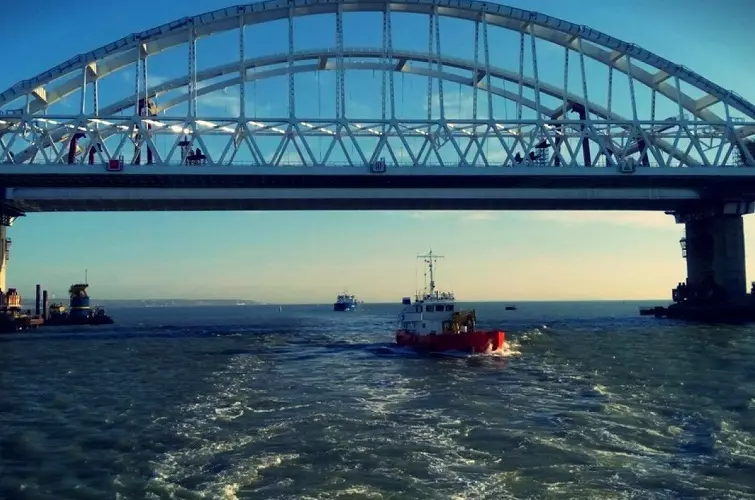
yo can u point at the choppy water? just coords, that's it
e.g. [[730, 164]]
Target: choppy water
[[251, 402]]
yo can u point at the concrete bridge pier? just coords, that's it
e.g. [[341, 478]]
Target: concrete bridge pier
[[715, 252], [716, 286], [4, 250]]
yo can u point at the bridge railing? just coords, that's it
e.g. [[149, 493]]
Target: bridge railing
[[247, 166], [313, 142]]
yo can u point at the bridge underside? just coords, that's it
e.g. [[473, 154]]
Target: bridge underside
[[204, 202], [92, 188]]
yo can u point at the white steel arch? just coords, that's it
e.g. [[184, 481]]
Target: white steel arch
[[265, 67], [708, 140], [604, 48]]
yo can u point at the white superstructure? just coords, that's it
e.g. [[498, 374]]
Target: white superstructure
[[433, 312]]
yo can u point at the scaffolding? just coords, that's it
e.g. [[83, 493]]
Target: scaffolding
[[540, 157], [740, 156]]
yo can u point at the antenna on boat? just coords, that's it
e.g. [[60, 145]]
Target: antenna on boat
[[431, 260], [86, 276], [416, 280]]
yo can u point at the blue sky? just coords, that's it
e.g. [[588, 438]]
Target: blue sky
[[310, 256]]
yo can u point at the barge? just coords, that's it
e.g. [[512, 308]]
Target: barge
[[12, 316], [79, 310]]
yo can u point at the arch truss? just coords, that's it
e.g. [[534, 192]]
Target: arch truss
[[549, 124]]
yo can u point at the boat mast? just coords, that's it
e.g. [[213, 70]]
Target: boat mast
[[430, 260]]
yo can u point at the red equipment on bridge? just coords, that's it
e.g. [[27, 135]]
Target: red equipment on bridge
[[115, 165]]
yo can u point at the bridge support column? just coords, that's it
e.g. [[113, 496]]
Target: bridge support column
[[716, 285], [4, 248], [715, 252]]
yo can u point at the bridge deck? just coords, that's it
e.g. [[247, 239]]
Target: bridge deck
[[65, 175], [34, 188]]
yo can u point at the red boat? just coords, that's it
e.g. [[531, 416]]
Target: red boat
[[433, 323]]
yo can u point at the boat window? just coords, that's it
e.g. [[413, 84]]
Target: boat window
[[449, 308], [418, 309], [439, 308], [429, 308]]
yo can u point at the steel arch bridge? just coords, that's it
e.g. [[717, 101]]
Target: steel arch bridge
[[599, 109], [694, 136]]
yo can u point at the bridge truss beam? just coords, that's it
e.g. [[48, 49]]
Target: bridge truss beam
[[404, 142]]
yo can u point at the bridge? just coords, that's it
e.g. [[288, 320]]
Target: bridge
[[453, 123]]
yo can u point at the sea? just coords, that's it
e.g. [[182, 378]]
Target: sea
[[589, 400]]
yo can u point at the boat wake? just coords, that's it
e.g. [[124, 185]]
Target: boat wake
[[511, 348]]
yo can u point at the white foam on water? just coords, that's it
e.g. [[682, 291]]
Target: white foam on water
[[201, 427]]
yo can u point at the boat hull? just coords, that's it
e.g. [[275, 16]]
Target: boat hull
[[475, 342], [67, 320], [344, 307]]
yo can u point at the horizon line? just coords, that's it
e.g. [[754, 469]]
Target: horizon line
[[263, 302]]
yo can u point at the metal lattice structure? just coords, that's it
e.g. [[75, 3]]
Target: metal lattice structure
[[527, 118]]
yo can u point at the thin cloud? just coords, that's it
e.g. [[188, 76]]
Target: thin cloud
[[152, 80], [454, 106], [478, 215], [226, 99], [651, 220], [359, 109], [427, 214]]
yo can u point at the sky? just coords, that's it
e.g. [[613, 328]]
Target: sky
[[309, 257]]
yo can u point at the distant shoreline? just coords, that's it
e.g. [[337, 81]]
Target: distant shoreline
[[248, 302], [176, 302], [245, 302]]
